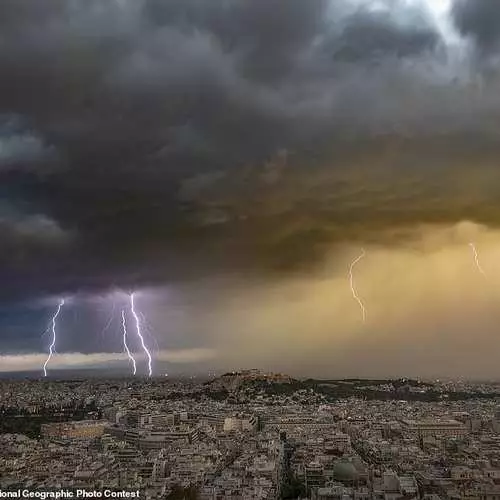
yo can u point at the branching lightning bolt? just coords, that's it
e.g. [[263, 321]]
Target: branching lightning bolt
[[353, 288], [127, 350], [139, 333], [476, 259], [54, 335]]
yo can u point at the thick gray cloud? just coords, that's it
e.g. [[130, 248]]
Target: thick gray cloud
[[478, 19], [28, 242], [21, 148], [123, 106], [265, 37], [368, 36]]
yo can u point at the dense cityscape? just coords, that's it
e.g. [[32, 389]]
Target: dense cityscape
[[253, 435]]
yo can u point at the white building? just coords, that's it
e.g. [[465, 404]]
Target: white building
[[240, 424]]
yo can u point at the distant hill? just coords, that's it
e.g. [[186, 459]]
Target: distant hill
[[232, 381], [235, 385]]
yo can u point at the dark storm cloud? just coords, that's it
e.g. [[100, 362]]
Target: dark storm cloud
[[20, 147], [28, 243], [265, 37], [138, 100], [28, 236], [478, 19], [367, 36]]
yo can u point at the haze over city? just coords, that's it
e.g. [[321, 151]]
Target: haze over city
[[228, 161]]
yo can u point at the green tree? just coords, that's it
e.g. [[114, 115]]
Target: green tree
[[180, 493], [293, 488]]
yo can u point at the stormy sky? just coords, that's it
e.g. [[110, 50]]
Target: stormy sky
[[228, 160]]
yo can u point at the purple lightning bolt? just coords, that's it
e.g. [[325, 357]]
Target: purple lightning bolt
[[53, 343], [139, 333], [125, 346], [353, 288], [110, 320]]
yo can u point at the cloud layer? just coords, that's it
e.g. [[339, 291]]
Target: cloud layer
[[291, 111], [34, 361]]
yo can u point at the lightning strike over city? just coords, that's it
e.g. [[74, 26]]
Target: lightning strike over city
[[305, 188], [54, 336], [139, 333], [476, 259], [352, 285], [125, 345]]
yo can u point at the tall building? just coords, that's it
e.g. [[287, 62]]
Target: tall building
[[314, 477]]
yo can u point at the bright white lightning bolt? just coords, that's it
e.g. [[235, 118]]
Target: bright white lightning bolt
[[147, 327], [53, 343], [139, 333], [476, 259], [353, 288], [127, 350]]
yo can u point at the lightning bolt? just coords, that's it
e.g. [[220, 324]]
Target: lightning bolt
[[127, 350], [476, 259], [351, 282], [139, 333], [53, 343], [110, 320], [147, 327]]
